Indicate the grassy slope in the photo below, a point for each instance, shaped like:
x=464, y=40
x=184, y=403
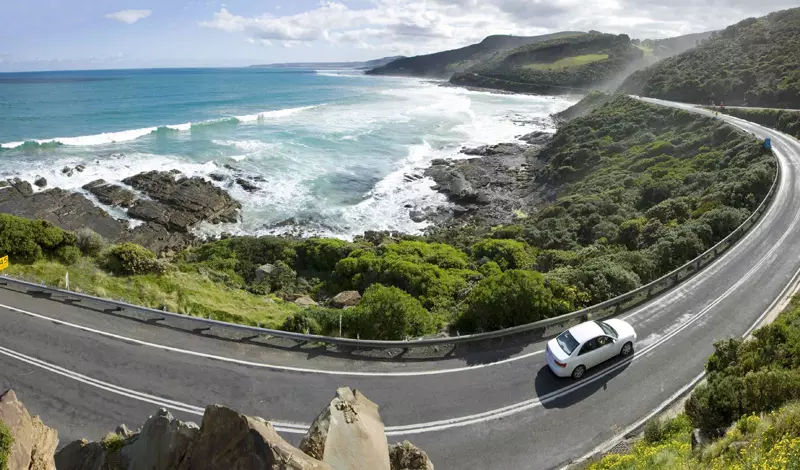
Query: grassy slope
x=444, y=64
x=180, y=292
x=754, y=60
x=566, y=62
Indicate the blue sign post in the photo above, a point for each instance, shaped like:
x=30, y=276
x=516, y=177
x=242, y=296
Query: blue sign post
x=767, y=143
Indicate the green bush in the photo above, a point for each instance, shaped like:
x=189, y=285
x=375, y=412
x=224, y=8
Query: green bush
x=388, y=313
x=6, y=441
x=302, y=322
x=654, y=431
x=508, y=254
x=90, y=242
x=129, y=259
x=512, y=298
x=68, y=254
x=322, y=254
x=242, y=255
x=26, y=241
x=601, y=279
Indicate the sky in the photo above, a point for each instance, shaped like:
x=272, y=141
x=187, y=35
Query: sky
x=101, y=34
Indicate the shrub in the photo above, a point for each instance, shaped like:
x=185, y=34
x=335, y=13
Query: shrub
x=6, y=441
x=389, y=313
x=113, y=442
x=302, y=322
x=654, y=431
x=508, y=254
x=512, y=298
x=27, y=241
x=68, y=254
x=322, y=254
x=601, y=279
x=129, y=258
x=90, y=242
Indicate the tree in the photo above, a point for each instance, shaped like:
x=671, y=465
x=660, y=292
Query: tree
x=388, y=313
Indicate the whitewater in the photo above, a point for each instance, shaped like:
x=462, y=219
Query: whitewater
x=330, y=149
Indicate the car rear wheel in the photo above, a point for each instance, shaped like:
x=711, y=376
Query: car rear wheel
x=578, y=372
x=627, y=350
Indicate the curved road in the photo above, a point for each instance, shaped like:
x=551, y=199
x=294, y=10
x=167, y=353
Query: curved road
x=87, y=372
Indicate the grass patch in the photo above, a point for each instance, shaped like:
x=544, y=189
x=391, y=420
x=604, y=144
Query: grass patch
x=648, y=51
x=190, y=293
x=567, y=62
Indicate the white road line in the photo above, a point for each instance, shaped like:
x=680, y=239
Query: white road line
x=264, y=365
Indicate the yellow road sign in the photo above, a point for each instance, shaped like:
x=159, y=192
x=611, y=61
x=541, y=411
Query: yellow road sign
x=3, y=262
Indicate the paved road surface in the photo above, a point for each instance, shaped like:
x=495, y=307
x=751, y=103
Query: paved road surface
x=87, y=376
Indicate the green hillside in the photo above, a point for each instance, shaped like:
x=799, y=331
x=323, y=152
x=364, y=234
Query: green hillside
x=756, y=61
x=445, y=64
x=557, y=66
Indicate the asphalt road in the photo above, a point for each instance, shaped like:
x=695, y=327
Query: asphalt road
x=95, y=371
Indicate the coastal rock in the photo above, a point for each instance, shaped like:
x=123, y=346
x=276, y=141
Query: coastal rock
x=246, y=185
x=65, y=209
x=536, y=138
x=66, y=171
x=348, y=434
x=158, y=239
x=497, y=149
x=217, y=177
x=162, y=443
x=407, y=456
x=80, y=168
x=417, y=216
x=40, y=182
x=263, y=271
x=34, y=443
x=305, y=301
x=348, y=298
x=195, y=197
x=230, y=440
x=111, y=194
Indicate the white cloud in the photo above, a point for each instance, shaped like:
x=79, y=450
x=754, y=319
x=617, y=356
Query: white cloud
x=422, y=26
x=129, y=16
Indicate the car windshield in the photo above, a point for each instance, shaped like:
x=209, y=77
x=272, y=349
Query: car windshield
x=607, y=329
x=567, y=342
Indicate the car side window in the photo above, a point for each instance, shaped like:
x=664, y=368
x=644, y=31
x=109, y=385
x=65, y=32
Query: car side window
x=603, y=341
x=588, y=346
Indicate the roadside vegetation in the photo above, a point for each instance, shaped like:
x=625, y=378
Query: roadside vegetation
x=751, y=395
x=754, y=61
x=6, y=441
x=637, y=190
x=784, y=120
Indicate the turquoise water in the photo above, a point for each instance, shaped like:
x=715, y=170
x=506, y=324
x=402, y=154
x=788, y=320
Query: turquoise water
x=331, y=146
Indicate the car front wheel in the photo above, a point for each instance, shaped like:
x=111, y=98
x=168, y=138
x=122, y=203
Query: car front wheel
x=627, y=350
x=578, y=372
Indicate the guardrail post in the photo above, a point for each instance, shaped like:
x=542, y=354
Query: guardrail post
x=340, y=325
x=66, y=280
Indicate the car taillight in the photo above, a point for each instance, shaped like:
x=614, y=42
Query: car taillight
x=560, y=364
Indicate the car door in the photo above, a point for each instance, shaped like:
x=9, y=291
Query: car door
x=588, y=354
x=605, y=348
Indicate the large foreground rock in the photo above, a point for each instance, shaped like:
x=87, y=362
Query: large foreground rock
x=348, y=434
x=161, y=444
x=111, y=194
x=232, y=441
x=407, y=456
x=34, y=443
x=348, y=298
x=68, y=210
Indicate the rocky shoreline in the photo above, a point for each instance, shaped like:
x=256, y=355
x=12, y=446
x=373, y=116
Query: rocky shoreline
x=494, y=187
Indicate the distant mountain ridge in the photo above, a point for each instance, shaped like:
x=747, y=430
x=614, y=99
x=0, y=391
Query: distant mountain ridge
x=368, y=64
x=445, y=64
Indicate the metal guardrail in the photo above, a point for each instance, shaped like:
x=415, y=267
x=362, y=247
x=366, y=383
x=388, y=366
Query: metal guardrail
x=602, y=310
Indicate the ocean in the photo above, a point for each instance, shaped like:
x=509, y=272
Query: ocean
x=329, y=147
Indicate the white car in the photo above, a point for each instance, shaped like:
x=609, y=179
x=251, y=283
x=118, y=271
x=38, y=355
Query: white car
x=584, y=346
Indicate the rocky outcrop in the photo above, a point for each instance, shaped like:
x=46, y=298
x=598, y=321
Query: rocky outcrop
x=66, y=209
x=162, y=443
x=231, y=440
x=348, y=298
x=111, y=194
x=195, y=198
x=40, y=182
x=348, y=434
x=263, y=272
x=407, y=456
x=34, y=443
x=305, y=301
x=497, y=149
x=247, y=185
